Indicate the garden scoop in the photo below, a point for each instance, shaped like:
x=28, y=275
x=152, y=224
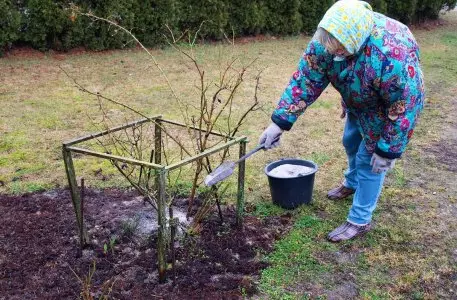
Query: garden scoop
x=226, y=168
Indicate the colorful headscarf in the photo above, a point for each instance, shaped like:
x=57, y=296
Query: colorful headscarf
x=350, y=22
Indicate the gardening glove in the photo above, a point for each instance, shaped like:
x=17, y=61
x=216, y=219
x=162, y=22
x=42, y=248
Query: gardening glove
x=271, y=136
x=381, y=164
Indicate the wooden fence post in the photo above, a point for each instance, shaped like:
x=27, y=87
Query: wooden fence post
x=75, y=196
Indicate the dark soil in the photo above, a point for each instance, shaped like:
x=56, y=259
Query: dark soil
x=40, y=257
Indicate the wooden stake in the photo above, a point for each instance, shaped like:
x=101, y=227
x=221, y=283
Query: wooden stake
x=75, y=195
x=158, y=142
x=240, y=194
x=81, y=232
x=162, y=222
x=173, y=227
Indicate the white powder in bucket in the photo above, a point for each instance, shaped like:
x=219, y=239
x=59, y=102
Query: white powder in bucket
x=290, y=171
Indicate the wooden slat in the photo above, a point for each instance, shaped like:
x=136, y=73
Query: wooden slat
x=108, y=131
x=206, y=153
x=115, y=157
x=213, y=132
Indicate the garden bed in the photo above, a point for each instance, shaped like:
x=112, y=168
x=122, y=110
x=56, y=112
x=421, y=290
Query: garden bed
x=40, y=258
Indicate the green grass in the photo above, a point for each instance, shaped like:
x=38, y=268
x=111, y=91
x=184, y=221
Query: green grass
x=407, y=256
x=266, y=209
x=293, y=258
x=449, y=39
x=18, y=187
x=44, y=108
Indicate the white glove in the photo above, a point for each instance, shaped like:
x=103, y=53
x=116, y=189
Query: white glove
x=271, y=136
x=381, y=164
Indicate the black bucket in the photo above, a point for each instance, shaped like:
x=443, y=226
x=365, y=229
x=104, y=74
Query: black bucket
x=291, y=192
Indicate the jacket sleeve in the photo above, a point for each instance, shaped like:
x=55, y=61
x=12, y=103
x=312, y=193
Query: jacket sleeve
x=402, y=90
x=305, y=86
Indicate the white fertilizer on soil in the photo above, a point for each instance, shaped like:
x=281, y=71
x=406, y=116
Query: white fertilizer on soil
x=290, y=171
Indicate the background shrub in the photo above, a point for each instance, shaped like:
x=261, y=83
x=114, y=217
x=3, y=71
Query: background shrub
x=430, y=9
x=50, y=24
x=151, y=20
x=247, y=17
x=379, y=6
x=311, y=13
x=412, y=11
x=283, y=16
x=10, y=22
x=99, y=35
x=42, y=23
x=214, y=14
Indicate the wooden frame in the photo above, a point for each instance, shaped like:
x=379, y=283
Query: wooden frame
x=160, y=180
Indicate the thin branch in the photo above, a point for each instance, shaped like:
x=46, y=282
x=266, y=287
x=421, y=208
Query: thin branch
x=173, y=36
x=152, y=57
x=83, y=89
x=252, y=108
x=197, y=32
x=136, y=186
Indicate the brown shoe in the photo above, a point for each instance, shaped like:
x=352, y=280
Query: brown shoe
x=348, y=231
x=340, y=192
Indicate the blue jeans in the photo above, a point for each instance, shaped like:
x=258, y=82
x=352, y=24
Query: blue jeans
x=358, y=176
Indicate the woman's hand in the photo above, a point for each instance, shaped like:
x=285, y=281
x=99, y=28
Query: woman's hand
x=270, y=137
x=381, y=164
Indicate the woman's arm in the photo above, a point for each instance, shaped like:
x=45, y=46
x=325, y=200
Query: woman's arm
x=402, y=89
x=305, y=86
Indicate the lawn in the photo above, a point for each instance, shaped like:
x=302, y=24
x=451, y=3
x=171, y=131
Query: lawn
x=411, y=253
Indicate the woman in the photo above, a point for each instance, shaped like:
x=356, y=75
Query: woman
x=373, y=62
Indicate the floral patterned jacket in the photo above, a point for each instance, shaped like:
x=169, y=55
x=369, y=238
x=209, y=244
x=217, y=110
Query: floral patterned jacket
x=382, y=86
